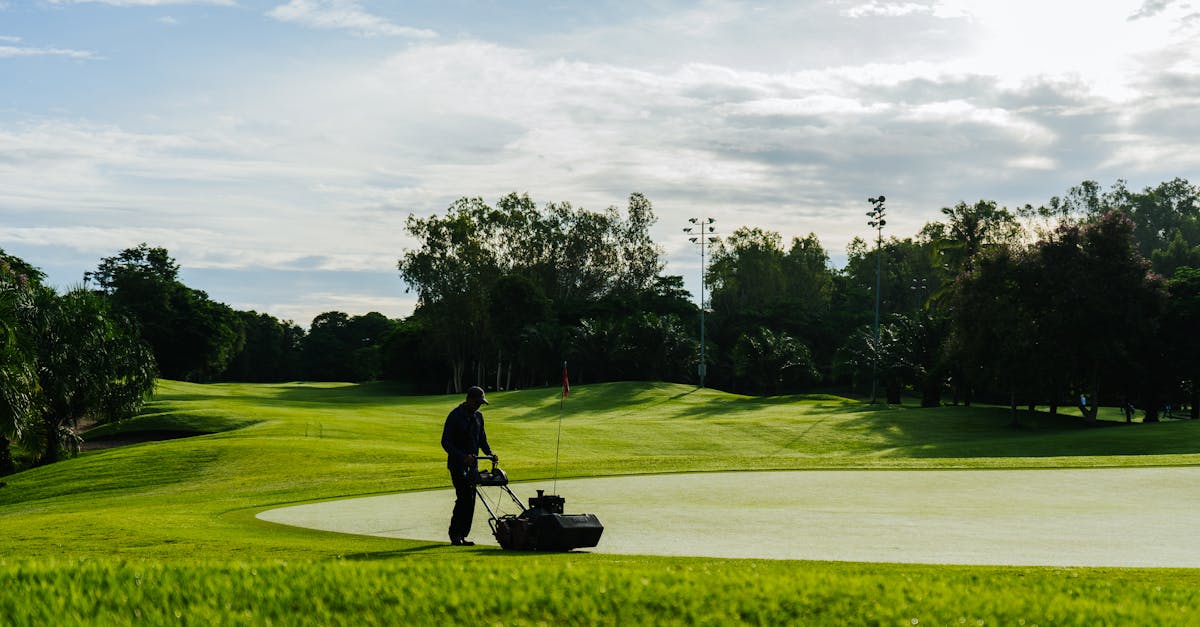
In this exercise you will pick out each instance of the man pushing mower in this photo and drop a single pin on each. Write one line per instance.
(540, 527)
(462, 438)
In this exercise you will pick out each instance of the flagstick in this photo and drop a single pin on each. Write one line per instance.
(561, 400)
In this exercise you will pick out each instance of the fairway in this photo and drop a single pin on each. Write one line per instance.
(1069, 517)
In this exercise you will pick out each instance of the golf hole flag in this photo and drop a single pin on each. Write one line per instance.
(566, 383)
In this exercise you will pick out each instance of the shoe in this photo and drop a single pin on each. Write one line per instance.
(461, 542)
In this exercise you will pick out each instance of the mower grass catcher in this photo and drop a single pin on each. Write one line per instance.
(540, 527)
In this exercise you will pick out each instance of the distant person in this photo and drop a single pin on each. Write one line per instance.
(462, 438)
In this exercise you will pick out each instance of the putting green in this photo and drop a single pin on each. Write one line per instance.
(1068, 517)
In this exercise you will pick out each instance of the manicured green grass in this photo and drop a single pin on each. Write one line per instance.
(183, 511)
(584, 590)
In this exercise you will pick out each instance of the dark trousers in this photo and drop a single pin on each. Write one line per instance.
(464, 505)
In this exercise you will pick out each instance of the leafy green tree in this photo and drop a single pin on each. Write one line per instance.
(1076, 314)
(1180, 321)
(270, 353)
(971, 229)
(898, 357)
(405, 356)
(1107, 306)
(452, 270)
(91, 366)
(193, 338)
(756, 283)
(1176, 255)
(1159, 213)
(773, 362)
(587, 265)
(340, 347)
(996, 333)
(19, 398)
(655, 347)
(516, 303)
(920, 350)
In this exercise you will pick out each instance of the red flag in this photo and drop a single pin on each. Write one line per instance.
(566, 383)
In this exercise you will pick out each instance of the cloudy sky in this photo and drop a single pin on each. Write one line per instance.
(276, 147)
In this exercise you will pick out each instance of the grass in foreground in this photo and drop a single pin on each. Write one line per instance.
(181, 512)
(576, 590)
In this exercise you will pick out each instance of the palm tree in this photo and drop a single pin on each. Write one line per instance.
(90, 365)
(773, 362)
(18, 377)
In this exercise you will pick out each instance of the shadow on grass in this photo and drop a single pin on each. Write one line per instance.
(298, 392)
(952, 432)
(375, 556)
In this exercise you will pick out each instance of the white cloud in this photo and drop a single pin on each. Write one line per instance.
(20, 51)
(1150, 8)
(1033, 162)
(146, 3)
(888, 9)
(316, 303)
(10, 39)
(343, 15)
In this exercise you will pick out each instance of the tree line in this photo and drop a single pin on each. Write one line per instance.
(1088, 299)
(1092, 298)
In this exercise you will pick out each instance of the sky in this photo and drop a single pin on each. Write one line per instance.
(275, 148)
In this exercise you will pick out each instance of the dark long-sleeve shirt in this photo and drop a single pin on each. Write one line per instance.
(463, 435)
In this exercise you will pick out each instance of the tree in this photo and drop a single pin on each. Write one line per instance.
(1107, 306)
(515, 303)
(996, 313)
(1159, 213)
(587, 265)
(18, 364)
(405, 356)
(1180, 321)
(773, 362)
(270, 353)
(340, 347)
(756, 283)
(192, 337)
(1177, 254)
(90, 365)
(1076, 314)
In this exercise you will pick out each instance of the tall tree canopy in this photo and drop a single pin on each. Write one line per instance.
(193, 337)
(585, 265)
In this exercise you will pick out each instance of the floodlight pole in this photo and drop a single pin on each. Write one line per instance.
(703, 233)
(876, 214)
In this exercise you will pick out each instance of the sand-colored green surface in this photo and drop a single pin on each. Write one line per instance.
(1001, 517)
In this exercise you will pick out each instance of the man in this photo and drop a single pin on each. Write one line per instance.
(462, 437)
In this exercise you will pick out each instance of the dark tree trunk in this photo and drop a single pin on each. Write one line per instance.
(6, 461)
(931, 393)
(1153, 402)
(50, 453)
(893, 393)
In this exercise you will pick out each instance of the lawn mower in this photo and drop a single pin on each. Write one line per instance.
(540, 527)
